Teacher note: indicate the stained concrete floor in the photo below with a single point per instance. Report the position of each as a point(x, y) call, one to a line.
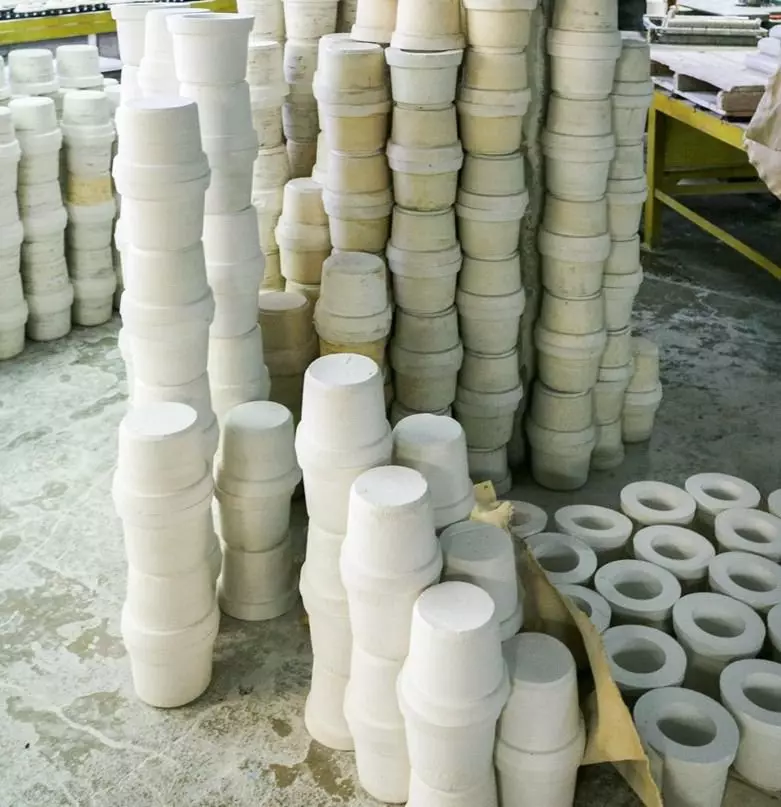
point(71, 731)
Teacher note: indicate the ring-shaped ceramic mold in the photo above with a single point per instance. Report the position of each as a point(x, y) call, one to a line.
point(715, 493)
point(527, 519)
point(606, 531)
point(717, 626)
point(638, 592)
point(592, 604)
point(563, 558)
point(643, 658)
point(648, 503)
point(751, 579)
point(682, 725)
point(751, 692)
point(742, 530)
point(681, 551)
point(745, 685)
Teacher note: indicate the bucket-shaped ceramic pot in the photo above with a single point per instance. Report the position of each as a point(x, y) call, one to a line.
point(583, 62)
point(210, 48)
point(560, 460)
point(173, 668)
point(500, 24)
point(424, 79)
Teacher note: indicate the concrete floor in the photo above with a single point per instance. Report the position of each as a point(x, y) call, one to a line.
point(71, 731)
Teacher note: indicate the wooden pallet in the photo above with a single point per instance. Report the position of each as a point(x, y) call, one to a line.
point(713, 78)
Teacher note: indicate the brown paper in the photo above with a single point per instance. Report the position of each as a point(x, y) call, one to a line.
point(763, 136)
point(490, 511)
point(611, 733)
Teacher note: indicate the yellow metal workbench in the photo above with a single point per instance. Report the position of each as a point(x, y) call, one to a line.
point(691, 152)
point(39, 29)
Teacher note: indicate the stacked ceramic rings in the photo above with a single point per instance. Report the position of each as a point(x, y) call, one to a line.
point(13, 308)
point(270, 173)
point(267, 92)
point(626, 186)
point(47, 288)
point(269, 19)
point(352, 93)
point(88, 139)
point(307, 22)
point(493, 97)
point(578, 144)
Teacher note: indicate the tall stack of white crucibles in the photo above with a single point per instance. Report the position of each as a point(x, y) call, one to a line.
point(88, 140)
point(306, 22)
point(47, 288)
point(425, 155)
point(343, 432)
point(571, 333)
point(492, 199)
point(167, 306)
point(210, 57)
point(163, 493)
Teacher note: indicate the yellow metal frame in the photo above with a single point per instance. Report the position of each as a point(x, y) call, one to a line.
point(687, 146)
point(40, 29)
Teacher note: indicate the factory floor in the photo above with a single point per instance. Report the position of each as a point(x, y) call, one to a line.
point(71, 730)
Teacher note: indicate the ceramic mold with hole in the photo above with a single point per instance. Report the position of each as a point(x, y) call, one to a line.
point(715, 630)
point(691, 741)
point(638, 592)
point(642, 659)
point(751, 692)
